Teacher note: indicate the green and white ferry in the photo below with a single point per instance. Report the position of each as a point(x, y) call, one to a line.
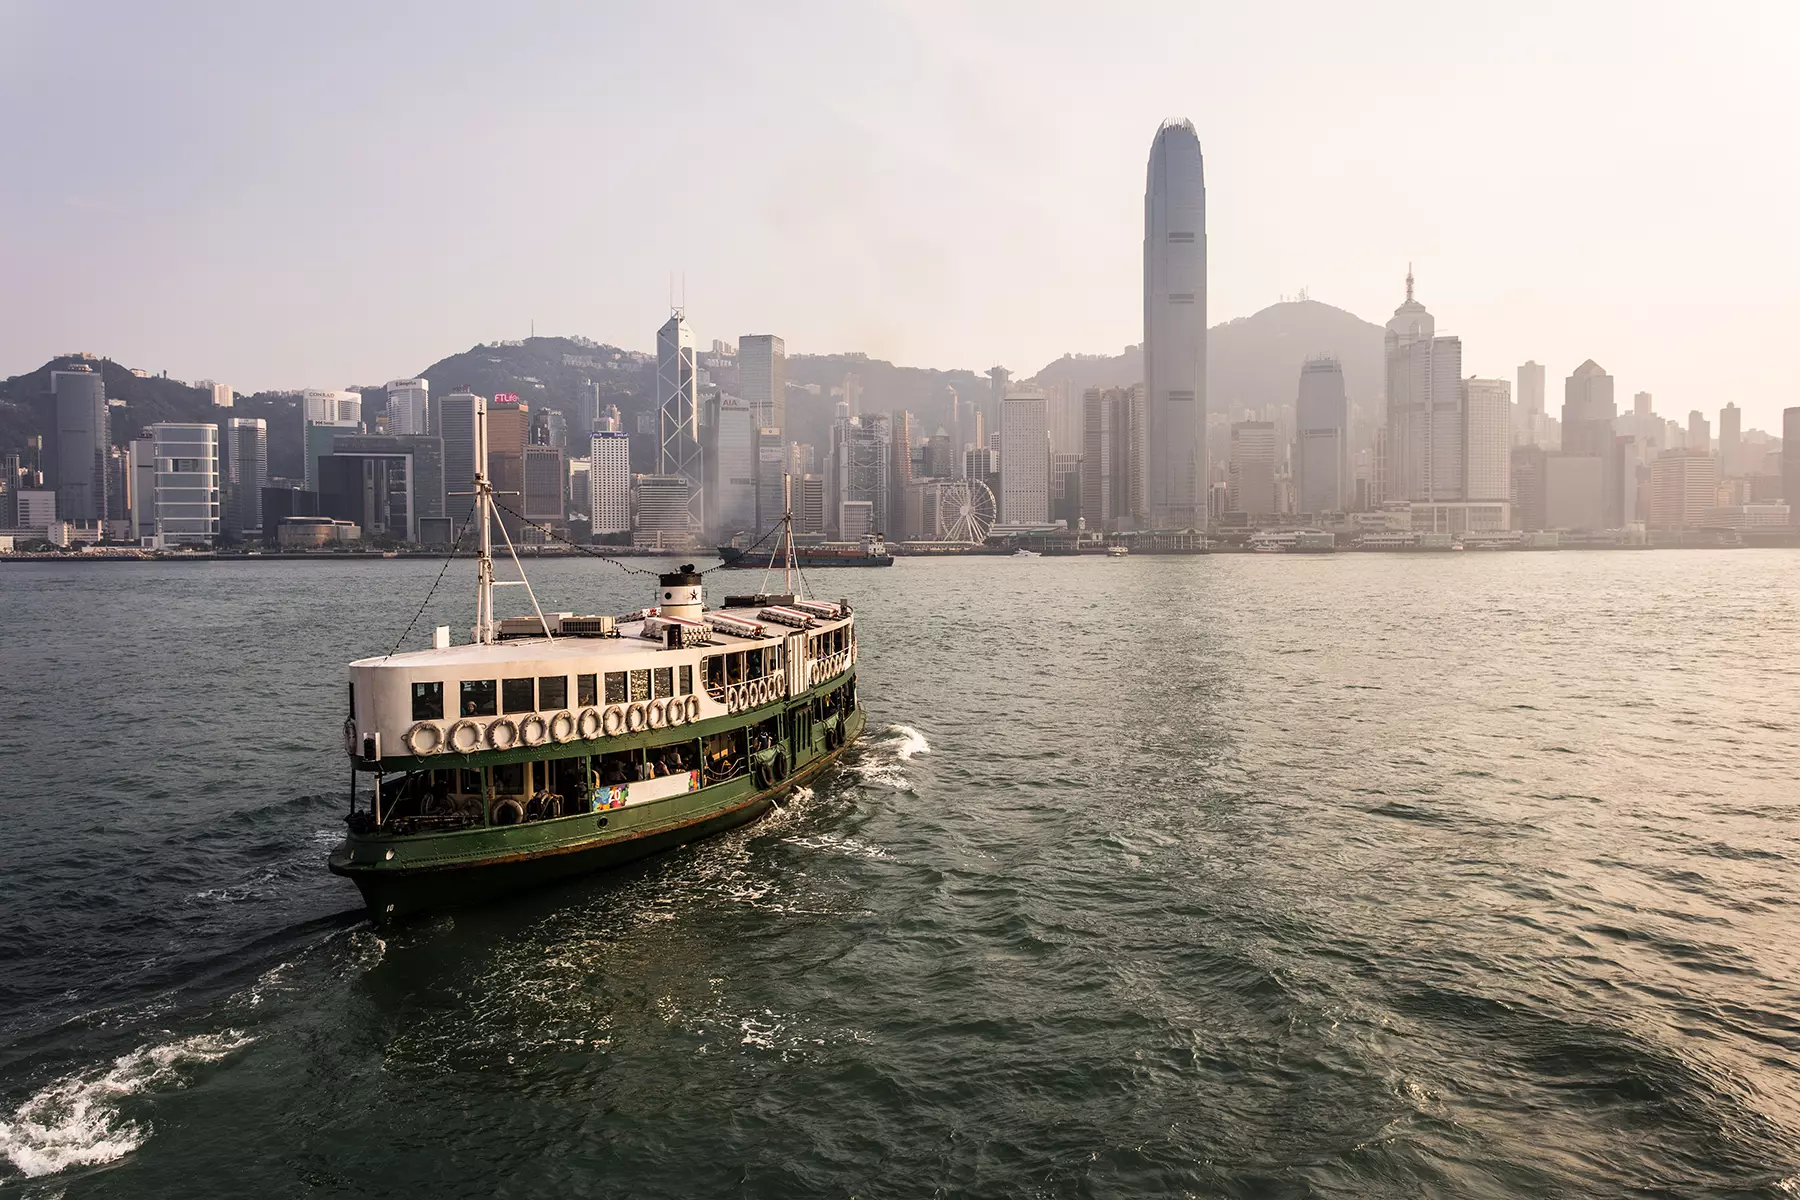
point(555, 744)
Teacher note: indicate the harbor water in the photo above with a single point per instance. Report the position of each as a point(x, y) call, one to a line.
point(1355, 875)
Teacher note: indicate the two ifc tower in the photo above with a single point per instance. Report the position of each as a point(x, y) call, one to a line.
point(1175, 327)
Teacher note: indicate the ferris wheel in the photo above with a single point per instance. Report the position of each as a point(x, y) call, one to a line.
point(966, 511)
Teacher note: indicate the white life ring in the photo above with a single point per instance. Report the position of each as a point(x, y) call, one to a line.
point(588, 726)
point(502, 734)
point(693, 708)
point(562, 727)
point(635, 717)
point(732, 701)
point(761, 691)
point(464, 737)
point(654, 714)
point(424, 739)
point(675, 713)
point(533, 730)
point(614, 721)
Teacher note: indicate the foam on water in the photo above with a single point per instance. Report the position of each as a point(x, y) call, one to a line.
point(77, 1121)
point(881, 759)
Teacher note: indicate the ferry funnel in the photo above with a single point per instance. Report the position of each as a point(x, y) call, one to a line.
point(678, 594)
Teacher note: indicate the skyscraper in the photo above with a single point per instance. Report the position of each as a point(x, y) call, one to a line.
point(678, 416)
point(1112, 458)
point(1321, 438)
point(246, 474)
point(609, 477)
point(409, 407)
point(458, 415)
point(1731, 429)
point(1252, 468)
point(186, 503)
point(82, 437)
point(771, 473)
point(730, 454)
point(1025, 459)
point(1487, 439)
point(1699, 432)
point(1175, 326)
point(1790, 462)
point(331, 408)
point(900, 475)
point(1424, 398)
point(762, 379)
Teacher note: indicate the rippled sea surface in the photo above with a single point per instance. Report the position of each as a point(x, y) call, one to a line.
point(1438, 875)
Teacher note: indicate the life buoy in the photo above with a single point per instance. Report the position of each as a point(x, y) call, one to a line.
point(509, 812)
point(614, 721)
point(676, 712)
point(562, 727)
point(350, 736)
point(552, 806)
point(533, 730)
point(588, 726)
point(655, 713)
point(635, 717)
point(732, 701)
point(464, 737)
point(424, 739)
point(503, 734)
point(693, 708)
point(834, 734)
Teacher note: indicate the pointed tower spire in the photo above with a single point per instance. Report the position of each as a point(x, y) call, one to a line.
point(1409, 283)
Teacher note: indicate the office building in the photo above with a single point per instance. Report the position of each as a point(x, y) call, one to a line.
point(1175, 327)
point(184, 506)
point(390, 486)
point(331, 408)
point(729, 439)
point(409, 407)
point(1321, 439)
point(771, 476)
point(1684, 488)
point(1251, 472)
point(1529, 503)
point(1487, 439)
point(246, 474)
point(83, 434)
point(762, 379)
point(1025, 459)
point(1114, 492)
point(905, 441)
point(219, 393)
point(609, 481)
point(809, 514)
point(1425, 436)
point(678, 416)
point(861, 452)
point(508, 432)
point(1531, 426)
point(1731, 440)
point(545, 485)
point(661, 509)
point(1699, 432)
point(459, 415)
point(1790, 462)
point(34, 508)
point(1575, 492)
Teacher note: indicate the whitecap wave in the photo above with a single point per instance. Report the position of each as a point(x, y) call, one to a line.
point(77, 1121)
point(910, 741)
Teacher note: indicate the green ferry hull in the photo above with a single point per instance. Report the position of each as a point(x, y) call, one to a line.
point(405, 876)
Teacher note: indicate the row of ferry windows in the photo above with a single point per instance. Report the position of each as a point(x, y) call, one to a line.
point(547, 693)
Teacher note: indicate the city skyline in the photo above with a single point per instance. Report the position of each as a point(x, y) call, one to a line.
point(1545, 260)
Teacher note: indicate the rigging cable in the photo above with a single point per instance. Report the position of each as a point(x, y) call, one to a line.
point(448, 559)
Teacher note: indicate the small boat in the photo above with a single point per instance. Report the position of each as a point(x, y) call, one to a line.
point(1117, 551)
point(1026, 554)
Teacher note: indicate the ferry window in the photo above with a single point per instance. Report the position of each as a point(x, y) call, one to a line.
point(509, 780)
point(471, 781)
point(686, 674)
point(616, 691)
point(715, 675)
point(428, 701)
point(553, 691)
point(640, 685)
point(664, 680)
point(587, 689)
point(518, 695)
point(734, 668)
point(477, 698)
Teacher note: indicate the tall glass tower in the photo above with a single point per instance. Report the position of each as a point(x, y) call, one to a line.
point(1175, 326)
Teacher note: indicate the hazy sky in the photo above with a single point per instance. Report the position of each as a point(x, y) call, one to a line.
point(334, 193)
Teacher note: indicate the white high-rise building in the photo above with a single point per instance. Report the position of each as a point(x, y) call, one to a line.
point(1025, 459)
point(1731, 440)
point(1252, 468)
point(1487, 452)
point(409, 406)
point(1424, 398)
point(731, 461)
point(762, 378)
point(186, 503)
point(220, 392)
point(609, 482)
point(1174, 327)
point(1321, 439)
point(331, 408)
point(678, 417)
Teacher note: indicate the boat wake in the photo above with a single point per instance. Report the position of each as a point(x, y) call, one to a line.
point(881, 759)
point(78, 1120)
